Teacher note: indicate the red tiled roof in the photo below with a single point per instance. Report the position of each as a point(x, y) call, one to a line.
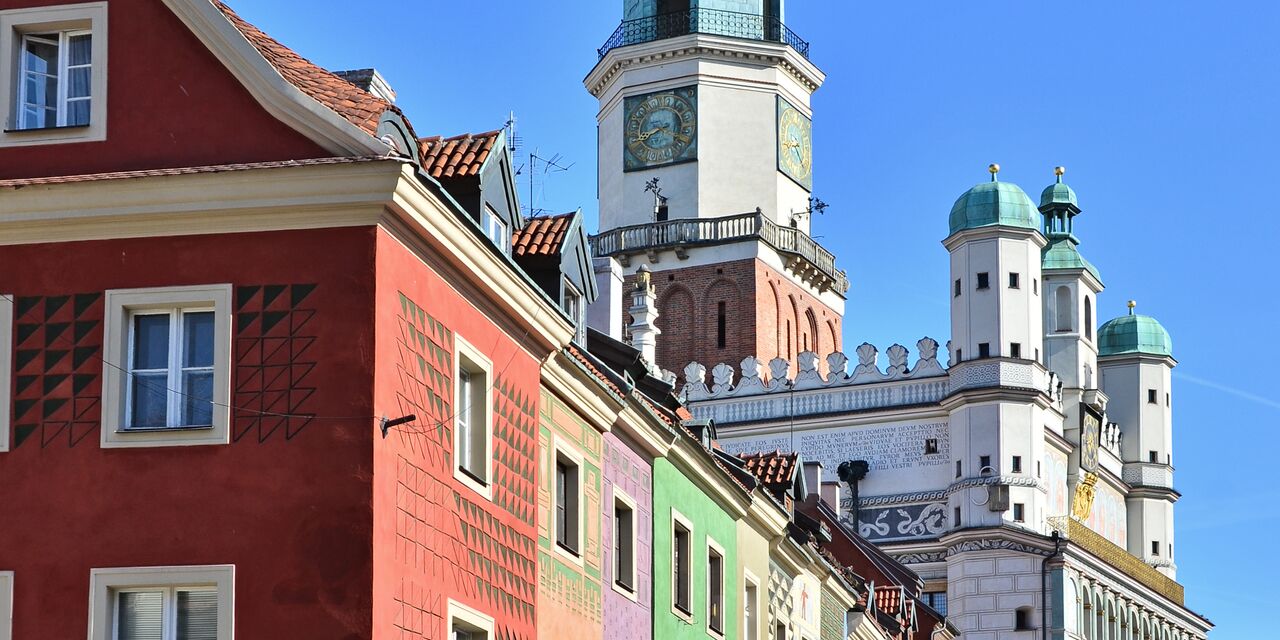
point(358, 106)
point(187, 171)
point(776, 470)
point(889, 599)
point(542, 236)
point(459, 156)
point(594, 370)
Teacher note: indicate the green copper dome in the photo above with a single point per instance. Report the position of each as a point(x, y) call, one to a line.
point(1134, 334)
point(1058, 193)
point(1062, 254)
point(994, 203)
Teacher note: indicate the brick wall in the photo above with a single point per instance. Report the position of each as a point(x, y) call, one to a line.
point(766, 315)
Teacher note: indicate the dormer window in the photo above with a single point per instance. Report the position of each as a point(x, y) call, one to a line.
point(495, 227)
point(573, 307)
point(53, 80)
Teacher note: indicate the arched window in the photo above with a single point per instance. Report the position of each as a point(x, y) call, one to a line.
point(1088, 317)
point(1062, 304)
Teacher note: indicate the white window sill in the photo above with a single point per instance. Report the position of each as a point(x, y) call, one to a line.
point(471, 482)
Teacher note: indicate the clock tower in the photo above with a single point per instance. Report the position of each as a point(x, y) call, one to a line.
point(706, 175)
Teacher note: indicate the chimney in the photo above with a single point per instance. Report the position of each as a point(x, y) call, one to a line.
point(830, 494)
point(812, 478)
point(605, 314)
point(369, 80)
point(644, 314)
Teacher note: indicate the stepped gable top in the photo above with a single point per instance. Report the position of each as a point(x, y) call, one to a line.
point(459, 156)
point(775, 470)
point(542, 236)
point(356, 105)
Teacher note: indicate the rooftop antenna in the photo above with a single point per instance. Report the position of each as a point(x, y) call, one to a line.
point(513, 139)
point(551, 164)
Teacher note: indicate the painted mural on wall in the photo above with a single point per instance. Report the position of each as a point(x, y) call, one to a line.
point(1056, 468)
point(1109, 516)
point(903, 522)
point(57, 370)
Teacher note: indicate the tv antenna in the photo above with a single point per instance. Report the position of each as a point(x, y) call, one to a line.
point(513, 139)
point(544, 166)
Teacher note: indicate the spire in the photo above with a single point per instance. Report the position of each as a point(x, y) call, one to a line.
point(1132, 305)
point(994, 170)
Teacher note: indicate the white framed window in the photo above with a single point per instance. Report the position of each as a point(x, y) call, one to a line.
point(573, 307)
point(624, 544)
point(567, 501)
point(53, 82)
point(167, 371)
point(6, 366)
point(496, 228)
point(6, 605)
point(162, 603)
point(715, 588)
point(750, 606)
point(681, 565)
point(466, 623)
point(473, 417)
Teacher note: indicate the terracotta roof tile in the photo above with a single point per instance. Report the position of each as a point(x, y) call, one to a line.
point(542, 236)
point(186, 171)
point(459, 156)
point(775, 470)
point(889, 600)
point(594, 370)
point(358, 106)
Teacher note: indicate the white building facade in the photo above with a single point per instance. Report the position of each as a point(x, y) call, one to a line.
point(1025, 472)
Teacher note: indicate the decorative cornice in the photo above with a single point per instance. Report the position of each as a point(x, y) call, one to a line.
point(920, 557)
point(902, 498)
point(998, 544)
point(731, 49)
point(1012, 481)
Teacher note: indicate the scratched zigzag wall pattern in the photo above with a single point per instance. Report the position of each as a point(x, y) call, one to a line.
point(274, 358)
point(457, 545)
point(57, 369)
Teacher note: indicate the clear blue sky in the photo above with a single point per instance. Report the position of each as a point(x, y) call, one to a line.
point(1164, 113)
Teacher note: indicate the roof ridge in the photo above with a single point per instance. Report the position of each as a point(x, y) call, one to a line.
point(354, 104)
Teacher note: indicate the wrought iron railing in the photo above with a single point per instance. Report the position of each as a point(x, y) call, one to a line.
point(717, 22)
point(702, 231)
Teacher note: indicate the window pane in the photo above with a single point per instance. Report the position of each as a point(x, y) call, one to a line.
point(81, 51)
point(197, 615)
point(140, 616)
point(78, 82)
point(151, 342)
point(197, 389)
point(40, 57)
point(77, 113)
point(150, 400)
point(197, 339)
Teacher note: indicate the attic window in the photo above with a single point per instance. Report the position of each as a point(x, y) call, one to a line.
point(54, 86)
point(573, 307)
point(496, 228)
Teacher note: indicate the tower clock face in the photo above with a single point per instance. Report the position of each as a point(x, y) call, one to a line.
point(661, 128)
point(1090, 426)
point(795, 144)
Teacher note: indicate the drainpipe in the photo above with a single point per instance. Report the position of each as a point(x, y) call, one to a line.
point(1044, 588)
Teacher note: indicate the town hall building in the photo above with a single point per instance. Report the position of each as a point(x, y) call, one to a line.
point(1023, 468)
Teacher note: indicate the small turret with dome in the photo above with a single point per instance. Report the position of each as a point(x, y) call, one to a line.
point(994, 203)
point(1059, 205)
point(1134, 334)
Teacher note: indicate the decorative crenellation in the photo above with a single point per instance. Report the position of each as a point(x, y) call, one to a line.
point(754, 381)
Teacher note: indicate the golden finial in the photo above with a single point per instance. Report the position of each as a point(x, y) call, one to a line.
point(993, 169)
point(1058, 171)
point(1132, 304)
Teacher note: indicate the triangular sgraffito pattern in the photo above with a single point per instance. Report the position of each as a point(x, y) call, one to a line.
point(57, 369)
point(274, 361)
